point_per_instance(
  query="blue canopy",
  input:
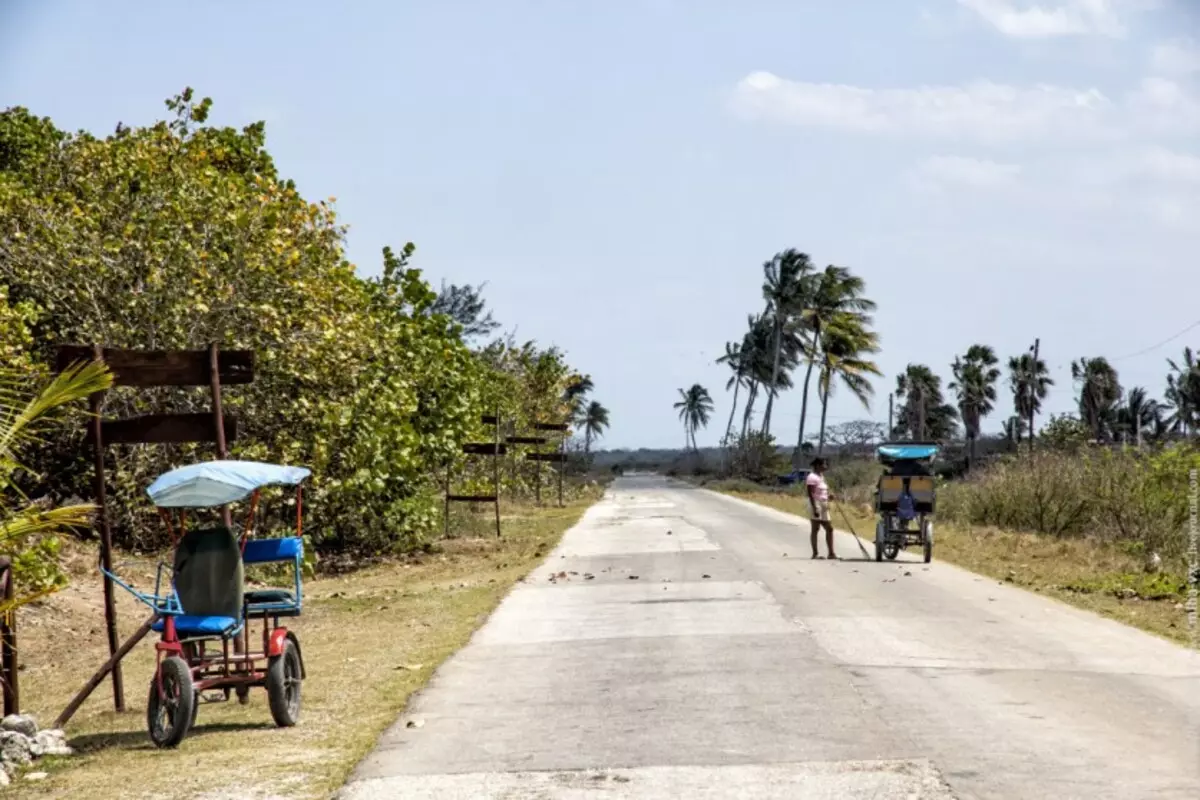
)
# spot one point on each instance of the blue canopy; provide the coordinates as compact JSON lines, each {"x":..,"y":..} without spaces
{"x":216,"y":483}
{"x":907,"y":452}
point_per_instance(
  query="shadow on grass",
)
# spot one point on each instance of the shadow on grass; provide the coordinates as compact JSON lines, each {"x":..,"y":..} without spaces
{"x":140,"y":740}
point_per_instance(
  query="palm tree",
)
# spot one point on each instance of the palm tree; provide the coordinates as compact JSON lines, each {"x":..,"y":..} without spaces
{"x":756,"y":353}
{"x":846,"y":342}
{"x":1099,"y":394}
{"x":1138,"y":414}
{"x":733,"y":359}
{"x":924,"y":414}
{"x":975,"y":376}
{"x":1183,"y":394}
{"x":575,"y":395}
{"x":834,"y":291}
{"x":695,"y":407}
{"x":1013,"y":428}
{"x":1030,"y":381}
{"x":23,"y":419}
{"x":595,"y":421}
{"x":785,"y":288}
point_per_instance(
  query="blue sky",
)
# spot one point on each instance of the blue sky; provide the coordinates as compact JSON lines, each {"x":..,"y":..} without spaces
{"x":618,"y":172}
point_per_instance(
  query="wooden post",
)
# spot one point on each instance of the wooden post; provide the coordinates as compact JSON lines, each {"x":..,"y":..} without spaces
{"x":920,"y":437}
{"x":8,"y":643}
{"x":214,"y":378}
{"x":538,"y":484}
{"x":110,"y":609}
{"x":446,"y":515}
{"x":114,"y":664}
{"x":496,"y":471}
{"x":562,"y":467}
{"x":1033,"y":377}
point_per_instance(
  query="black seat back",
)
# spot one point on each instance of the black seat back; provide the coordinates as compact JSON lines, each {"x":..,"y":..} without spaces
{"x":209,"y":577}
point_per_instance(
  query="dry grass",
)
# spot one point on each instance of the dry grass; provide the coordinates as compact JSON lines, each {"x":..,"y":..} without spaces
{"x":1088,"y":574}
{"x":369,"y":639}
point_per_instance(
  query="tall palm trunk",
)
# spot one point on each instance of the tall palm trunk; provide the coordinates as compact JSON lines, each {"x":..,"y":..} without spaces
{"x":812,"y":359}
{"x":824,"y":409}
{"x":766,"y":428}
{"x":753,"y":395}
{"x":729,"y":428}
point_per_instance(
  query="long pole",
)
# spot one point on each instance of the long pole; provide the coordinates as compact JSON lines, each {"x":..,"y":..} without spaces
{"x":496,"y":471}
{"x":114,"y":663}
{"x":8,"y":643}
{"x":921,"y":415}
{"x":1033,"y":378}
{"x":214,"y":381}
{"x":110,"y":609}
{"x":891,"y":410}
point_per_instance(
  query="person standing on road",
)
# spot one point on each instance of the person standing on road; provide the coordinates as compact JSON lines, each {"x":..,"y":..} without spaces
{"x":818,"y":503}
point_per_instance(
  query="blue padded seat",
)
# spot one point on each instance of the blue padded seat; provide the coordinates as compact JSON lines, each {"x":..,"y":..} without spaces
{"x":191,"y":625}
{"x":265,"y":551}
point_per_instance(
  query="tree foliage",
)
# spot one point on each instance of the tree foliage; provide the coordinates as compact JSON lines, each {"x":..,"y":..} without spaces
{"x":181,"y":234}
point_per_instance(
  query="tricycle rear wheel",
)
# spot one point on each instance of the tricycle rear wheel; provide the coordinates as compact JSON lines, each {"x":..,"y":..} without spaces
{"x":169,"y":716}
{"x":283,"y":685}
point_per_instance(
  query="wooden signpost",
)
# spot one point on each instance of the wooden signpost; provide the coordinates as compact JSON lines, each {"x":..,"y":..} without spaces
{"x":146,"y":369}
{"x":8,"y":641}
{"x":558,"y":456}
{"x":495,"y":449}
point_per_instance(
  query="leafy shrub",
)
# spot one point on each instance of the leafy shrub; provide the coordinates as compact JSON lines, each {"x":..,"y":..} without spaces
{"x":179,"y":234}
{"x":1136,"y":499}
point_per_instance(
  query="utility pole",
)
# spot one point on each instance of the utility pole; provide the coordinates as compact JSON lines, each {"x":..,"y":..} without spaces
{"x":1033,"y":378}
{"x":891,"y":407}
{"x":921,"y":415}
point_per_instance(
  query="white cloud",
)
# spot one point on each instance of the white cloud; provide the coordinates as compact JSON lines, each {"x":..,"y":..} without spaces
{"x":984,"y":111}
{"x":1165,"y":165}
{"x":1160,"y":105}
{"x":1178,"y":57}
{"x":1023,"y":20}
{"x":948,"y":171}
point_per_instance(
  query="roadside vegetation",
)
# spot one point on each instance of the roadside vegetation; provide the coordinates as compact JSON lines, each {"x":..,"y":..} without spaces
{"x":180,"y":234}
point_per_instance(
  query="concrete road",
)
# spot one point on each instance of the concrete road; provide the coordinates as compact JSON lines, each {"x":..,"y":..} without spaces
{"x":682,"y":644}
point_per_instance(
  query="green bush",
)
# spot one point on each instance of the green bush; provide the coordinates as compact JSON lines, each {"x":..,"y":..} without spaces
{"x":1138,"y":499}
{"x":179,"y":234}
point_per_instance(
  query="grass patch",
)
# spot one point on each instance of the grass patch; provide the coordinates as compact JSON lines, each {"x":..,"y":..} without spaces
{"x":1097,"y":576}
{"x":370,"y":639}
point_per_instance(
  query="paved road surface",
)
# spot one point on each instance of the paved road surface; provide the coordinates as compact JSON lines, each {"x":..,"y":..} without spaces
{"x":729,"y":669}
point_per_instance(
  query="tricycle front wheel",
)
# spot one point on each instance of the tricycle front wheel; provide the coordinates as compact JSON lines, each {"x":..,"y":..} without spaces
{"x":283,"y":685}
{"x":170,"y":713}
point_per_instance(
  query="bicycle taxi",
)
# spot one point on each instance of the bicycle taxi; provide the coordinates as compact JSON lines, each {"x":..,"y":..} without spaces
{"x":206,"y":608}
{"x":905,"y":499}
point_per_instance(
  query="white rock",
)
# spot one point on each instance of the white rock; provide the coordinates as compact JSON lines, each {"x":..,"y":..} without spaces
{"x":51,"y":743}
{"x":37,"y":776}
{"x":20,"y":723}
{"x":15,"y":749}
{"x":4,"y":779}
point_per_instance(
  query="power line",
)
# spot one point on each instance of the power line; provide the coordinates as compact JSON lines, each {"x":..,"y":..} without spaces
{"x":1193,"y":326}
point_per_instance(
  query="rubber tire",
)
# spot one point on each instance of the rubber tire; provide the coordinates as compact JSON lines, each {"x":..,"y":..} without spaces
{"x":281,"y":669}
{"x":928,"y":542}
{"x":879,"y":541}
{"x":890,"y":551}
{"x":175,"y":671}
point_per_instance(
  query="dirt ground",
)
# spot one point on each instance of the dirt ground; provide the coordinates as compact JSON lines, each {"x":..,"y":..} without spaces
{"x":369,"y":638}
